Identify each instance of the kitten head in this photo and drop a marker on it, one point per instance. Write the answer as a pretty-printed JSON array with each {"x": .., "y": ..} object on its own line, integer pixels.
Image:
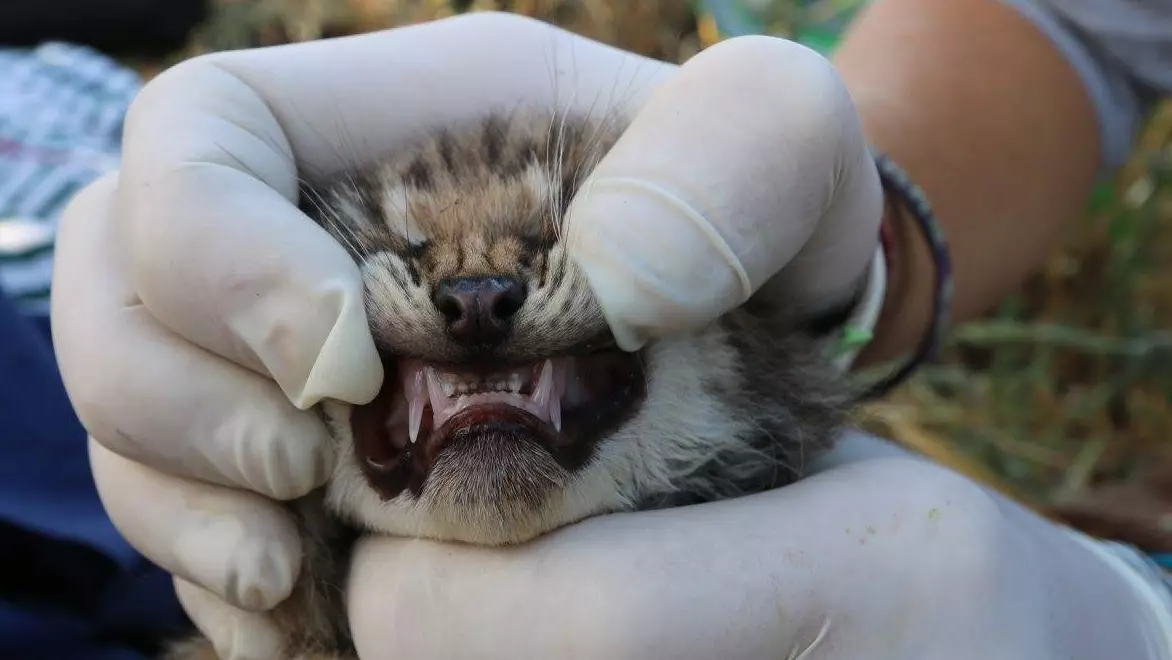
[{"x": 507, "y": 410}]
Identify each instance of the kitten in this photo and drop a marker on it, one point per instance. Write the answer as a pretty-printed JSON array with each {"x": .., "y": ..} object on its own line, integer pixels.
[{"x": 507, "y": 410}]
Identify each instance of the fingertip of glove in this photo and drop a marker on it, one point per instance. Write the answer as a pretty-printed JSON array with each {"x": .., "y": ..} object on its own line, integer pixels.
[
  {"x": 294, "y": 464},
  {"x": 242, "y": 548},
  {"x": 235, "y": 634},
  {"x": 347, "y": 367},
  {"x": 764, "y": 54},
  {"x": 643, "y": 295},
  {"x": 261, "y": 576},
  {"x": 768, "y": 73}
]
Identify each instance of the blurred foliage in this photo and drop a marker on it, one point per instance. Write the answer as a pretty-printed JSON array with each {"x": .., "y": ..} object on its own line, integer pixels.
[{"x": 1064, "y": 388}]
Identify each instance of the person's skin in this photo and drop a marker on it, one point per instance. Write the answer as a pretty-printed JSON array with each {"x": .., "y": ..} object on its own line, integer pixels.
[{"x": 992, "y": 123}]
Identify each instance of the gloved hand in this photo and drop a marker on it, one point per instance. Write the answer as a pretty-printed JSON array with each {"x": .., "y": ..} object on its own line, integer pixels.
[
  {"x": 880, "y": 556},
  {"x": 197, "y": 314}
]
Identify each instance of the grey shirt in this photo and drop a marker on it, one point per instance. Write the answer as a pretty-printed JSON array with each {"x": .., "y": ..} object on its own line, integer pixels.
[{"x": 1122, "y": 50}]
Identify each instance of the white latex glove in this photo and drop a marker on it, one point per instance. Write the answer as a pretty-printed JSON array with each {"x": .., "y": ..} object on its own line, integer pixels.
[
  {"x": 198, "y": 314},
  {"x": 882, "y": 557}
]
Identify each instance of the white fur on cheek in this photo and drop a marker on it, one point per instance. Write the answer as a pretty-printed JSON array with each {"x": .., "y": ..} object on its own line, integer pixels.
[{"x": 682, "y": 424}]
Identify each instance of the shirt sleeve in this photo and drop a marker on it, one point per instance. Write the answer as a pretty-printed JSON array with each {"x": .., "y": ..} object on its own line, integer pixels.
[{"x": 1122, "y": 51}]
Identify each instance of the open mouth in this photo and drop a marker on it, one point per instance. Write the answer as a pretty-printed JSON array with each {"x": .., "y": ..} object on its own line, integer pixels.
[
  {"x": 537, "y": 390},
  {"x": 562, "y": 404}
]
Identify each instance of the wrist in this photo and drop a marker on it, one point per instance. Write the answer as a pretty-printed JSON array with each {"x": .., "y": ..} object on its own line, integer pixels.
[
  {"x": 900, "y": 254},
  {"x": 904, "y": 204}
]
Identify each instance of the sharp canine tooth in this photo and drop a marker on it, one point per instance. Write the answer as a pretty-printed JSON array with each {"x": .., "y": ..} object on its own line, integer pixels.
[
  {"x": 546, "y": 397},
  {"x": 439, "y": 400},
  {"x": 544, "y": 387},
  {"x": 555, "y": 412},
  {"x": 416, "y": 400}
]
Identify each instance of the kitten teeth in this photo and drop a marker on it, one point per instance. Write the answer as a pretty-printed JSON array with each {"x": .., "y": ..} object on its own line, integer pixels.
[
  {"x": 417, "y": 399},
  {"x": 449, "y": 393},
  {"x": 412, "y": 377},
  {"x": 546, "y": 396},
  {"x": 555, "y": 414},
  {"x": 544, "y": 389},
  {"x": 439, "y": 399}
]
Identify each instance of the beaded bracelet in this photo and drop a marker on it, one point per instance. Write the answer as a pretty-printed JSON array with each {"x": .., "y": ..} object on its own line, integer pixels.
[{"x": 896, "y": 183}]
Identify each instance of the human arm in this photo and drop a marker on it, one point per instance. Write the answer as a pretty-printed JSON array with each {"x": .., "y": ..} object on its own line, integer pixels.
[
  {"x": 1002, "y": 111},
  {"x": 993, "y": 122}
]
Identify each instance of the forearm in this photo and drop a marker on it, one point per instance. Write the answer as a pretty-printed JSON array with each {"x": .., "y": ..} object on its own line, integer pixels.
[{"x": 992, "y": 123}]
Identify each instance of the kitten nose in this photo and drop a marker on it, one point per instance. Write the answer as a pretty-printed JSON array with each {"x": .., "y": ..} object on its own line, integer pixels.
[{"x": 479, "y": 310}]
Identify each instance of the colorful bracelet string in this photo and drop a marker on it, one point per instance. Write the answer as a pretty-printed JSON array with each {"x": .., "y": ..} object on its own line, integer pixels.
[{"x": 898, "y": 185}]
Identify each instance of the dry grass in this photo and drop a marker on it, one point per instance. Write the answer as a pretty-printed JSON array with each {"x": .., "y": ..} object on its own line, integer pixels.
[{"x": 1065, "y": 387}]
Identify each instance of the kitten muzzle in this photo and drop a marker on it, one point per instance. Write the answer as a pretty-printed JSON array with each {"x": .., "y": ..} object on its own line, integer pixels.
[
  {"x": 562, "y": 404},
  {"x": 537, "y": 389}
]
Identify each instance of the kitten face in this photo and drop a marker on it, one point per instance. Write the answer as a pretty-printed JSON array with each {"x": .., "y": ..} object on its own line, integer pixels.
[{"x": 507, "y": 411}]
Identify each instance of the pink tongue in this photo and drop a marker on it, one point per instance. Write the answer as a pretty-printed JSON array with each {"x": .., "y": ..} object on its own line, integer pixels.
[{"x": 423, "y": 385}]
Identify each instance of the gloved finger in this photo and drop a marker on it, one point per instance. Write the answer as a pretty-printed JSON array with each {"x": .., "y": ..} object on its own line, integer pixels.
[
  {"x": 236, "y": 634},
  {"x": 219, "y": 253},
  {"x": 239, "y": 546},
  {"x": 150, "y": 395},
  {"x": 750, "y": 158},
  {"x": 619, "y": 586}
]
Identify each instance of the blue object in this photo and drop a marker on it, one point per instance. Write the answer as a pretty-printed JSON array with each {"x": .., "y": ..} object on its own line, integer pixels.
[{"x": 70, "y": 587}]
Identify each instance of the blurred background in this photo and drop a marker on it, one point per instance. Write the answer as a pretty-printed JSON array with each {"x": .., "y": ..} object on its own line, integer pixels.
[{"x": 1060, "y": 398}]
